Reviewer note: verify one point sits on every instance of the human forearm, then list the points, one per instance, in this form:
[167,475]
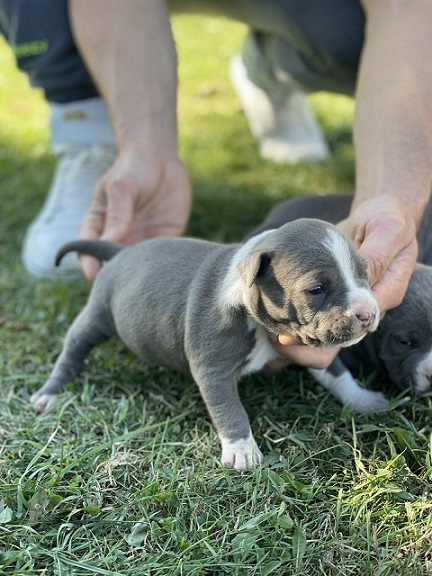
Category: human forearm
[393,121]
[393,143]
[129,49]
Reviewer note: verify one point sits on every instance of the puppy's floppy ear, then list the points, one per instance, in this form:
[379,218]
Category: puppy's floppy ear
[254,266]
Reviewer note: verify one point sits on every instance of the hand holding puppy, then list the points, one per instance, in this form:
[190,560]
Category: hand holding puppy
[136,200]
[295,353]
[384,233]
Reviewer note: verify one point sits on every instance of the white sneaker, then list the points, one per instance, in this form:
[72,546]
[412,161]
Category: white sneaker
[280,120]
[79,168]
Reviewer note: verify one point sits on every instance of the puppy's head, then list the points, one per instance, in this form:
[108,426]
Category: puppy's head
[404,338]
[305,280]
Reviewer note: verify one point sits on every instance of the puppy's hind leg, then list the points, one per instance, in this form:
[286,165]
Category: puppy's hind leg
[87,331]
[338,380]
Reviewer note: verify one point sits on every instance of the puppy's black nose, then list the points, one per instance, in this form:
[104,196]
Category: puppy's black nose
[366,318]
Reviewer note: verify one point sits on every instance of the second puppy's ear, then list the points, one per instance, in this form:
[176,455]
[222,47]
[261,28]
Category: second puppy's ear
[254,266]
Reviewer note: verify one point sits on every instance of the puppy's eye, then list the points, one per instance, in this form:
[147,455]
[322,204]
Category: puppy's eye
[406,342]
[317,290]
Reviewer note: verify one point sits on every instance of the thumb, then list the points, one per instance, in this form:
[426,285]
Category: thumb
[379,248]
[286,340]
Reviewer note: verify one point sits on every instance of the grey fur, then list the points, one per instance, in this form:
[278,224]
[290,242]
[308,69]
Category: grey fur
[205,307]
[401,349]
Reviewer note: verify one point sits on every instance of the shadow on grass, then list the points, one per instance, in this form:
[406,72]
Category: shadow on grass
[25,177]
[234,188]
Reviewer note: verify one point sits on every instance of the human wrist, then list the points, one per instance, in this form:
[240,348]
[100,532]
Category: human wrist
[150,143]
[151,134]
[409,207]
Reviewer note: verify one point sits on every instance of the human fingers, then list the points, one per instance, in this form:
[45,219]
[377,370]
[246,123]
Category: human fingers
[90,267]
[110,218]
[286,340]
[110,214]
[389,280]
[303,355]
[94,220]
[384,233]
[111,224]
[92,228]
[307,356]
[382,239]
[119,213]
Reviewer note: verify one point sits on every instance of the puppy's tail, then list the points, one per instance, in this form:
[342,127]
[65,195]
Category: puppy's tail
[99,249]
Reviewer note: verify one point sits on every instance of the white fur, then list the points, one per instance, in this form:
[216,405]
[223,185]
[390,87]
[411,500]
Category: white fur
[241,454]
[338,247]
[361,297]
[262,353]
[41,402]
[423,374]
[231,290]
[347,391]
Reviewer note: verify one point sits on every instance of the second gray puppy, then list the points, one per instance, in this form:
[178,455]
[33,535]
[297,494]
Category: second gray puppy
[205,307]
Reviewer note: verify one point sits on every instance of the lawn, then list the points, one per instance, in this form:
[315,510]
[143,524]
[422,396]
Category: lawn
[123,476]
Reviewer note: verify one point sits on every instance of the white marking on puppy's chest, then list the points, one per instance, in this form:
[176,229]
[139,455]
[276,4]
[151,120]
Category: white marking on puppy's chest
[262,353]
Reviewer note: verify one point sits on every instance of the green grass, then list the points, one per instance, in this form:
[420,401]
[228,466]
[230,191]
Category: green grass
[122,477]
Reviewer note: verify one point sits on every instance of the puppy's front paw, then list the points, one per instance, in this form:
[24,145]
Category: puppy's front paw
[41,402]
[367,402]
[242,454]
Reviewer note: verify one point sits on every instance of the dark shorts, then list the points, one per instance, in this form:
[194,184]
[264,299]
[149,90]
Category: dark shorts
[318,42]
[40,35]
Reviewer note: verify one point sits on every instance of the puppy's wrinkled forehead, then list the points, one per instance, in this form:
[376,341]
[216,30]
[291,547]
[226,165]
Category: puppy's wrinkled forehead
[344,255]
[316,246]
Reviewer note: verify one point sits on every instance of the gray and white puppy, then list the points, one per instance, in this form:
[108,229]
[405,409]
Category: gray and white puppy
[401,349]
[194,305]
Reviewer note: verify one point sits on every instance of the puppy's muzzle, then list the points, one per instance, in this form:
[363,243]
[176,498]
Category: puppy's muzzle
[339,327]
[365,317]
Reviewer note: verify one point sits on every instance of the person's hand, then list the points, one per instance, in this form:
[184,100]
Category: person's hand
[293,353]
[137,199]
[384,233]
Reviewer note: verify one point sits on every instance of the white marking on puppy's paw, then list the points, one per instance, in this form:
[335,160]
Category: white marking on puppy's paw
[41,402]
[367,402]
[241,454]
[347,390]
